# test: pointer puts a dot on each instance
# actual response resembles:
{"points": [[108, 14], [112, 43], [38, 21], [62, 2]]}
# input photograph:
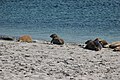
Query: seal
{"points": [[93, 45], [88, 41], [114, 45], [98, 44], [103, 42], [56, 39], [117, 48], [90, 45], [8, 38], [25, 38]]}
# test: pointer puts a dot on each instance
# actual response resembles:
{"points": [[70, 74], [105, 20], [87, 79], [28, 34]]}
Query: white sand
{"points": [[42, 61]]}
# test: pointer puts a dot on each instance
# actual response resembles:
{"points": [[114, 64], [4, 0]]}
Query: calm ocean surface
{"points": [[73, 20]]}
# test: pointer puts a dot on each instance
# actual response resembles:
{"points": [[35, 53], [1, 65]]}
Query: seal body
{"points": [[56, 39], [8, 38], [98, 44], [25, 38], [93, 45], [114, 45], [103, 42], [117, 48]]}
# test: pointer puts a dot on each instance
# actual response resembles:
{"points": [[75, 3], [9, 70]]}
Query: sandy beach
{"points": [[44, 61]]}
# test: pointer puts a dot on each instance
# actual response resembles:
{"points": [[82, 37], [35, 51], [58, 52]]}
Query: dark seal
{"points": [[93, 45], [56, 39], [8, 38]]}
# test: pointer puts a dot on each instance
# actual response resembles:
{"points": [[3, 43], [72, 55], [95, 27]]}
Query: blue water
{"points": [[73, 20]]}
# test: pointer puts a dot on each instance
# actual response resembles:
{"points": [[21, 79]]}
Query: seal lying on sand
{"points": [[90, 45], [56, 40], [98, 44], [93, 45], [25, 38], [5, 37], [103, 42], [115, 46]]}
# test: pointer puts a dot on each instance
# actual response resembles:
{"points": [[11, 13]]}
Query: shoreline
{"points": [[44, 61]]}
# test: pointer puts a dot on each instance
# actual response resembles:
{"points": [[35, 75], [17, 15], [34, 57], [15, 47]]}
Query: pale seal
{"points": [[25, 38]]}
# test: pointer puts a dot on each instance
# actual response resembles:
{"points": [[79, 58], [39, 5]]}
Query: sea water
{"points": [[73, 20]]}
